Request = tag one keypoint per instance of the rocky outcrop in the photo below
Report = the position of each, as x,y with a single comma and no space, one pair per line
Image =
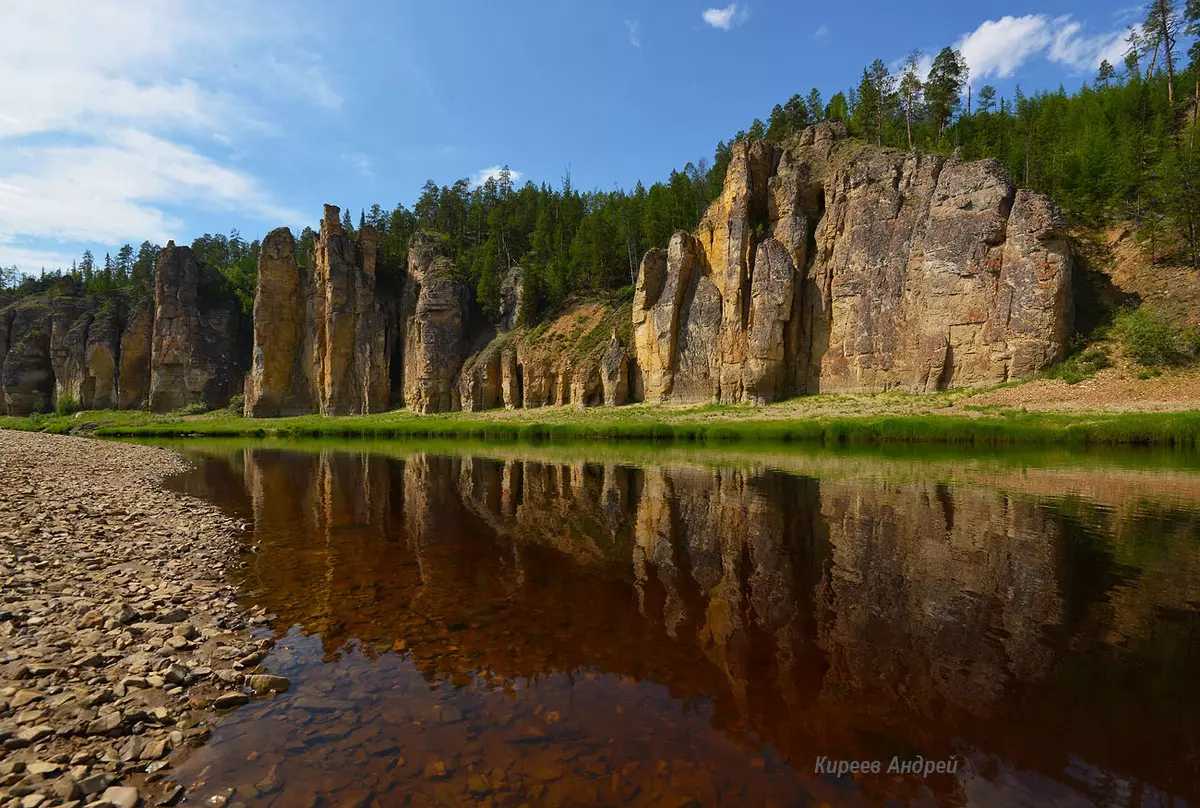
322,338
561,363
434,320
512,288
278,382
133,378
192,359
101,354
27,376
479,382
827,265
350,328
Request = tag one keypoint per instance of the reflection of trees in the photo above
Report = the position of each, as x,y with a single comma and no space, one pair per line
822,617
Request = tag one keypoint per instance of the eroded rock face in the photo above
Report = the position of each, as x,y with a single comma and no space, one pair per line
27,376
434,316
352,346
133,379
278,382
192,358
831,266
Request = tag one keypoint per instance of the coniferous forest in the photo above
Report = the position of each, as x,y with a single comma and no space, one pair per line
1121,148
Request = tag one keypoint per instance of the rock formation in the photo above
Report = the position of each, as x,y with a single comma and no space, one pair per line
321,337
57,348
279,382
433,322
351,350
192,357
827,265
26,375
133,378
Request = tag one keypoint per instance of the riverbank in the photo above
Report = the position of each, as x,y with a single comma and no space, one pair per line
118,634
984,419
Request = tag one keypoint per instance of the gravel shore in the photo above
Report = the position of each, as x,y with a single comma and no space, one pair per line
119,638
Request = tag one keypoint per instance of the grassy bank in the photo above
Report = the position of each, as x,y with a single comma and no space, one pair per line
820,419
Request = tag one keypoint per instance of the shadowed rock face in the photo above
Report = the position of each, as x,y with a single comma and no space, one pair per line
58,348
27,376
192,358
831,266
133,380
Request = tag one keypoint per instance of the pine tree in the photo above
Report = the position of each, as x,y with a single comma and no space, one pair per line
943,87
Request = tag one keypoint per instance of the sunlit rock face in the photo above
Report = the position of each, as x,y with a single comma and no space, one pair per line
433,319
322,338
279,381
192,353
829,265
351,350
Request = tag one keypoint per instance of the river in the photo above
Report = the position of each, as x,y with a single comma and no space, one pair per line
576,625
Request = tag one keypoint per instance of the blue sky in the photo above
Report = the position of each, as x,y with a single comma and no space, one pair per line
122,120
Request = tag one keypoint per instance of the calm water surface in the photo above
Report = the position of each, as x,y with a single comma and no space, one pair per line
559,626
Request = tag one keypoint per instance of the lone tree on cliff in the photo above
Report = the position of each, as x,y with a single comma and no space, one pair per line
944,86
910,90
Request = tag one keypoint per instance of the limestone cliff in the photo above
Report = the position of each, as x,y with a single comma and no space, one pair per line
322,339
192,358
58,347
579,358
434,323
133,377
279,382
828,265
351,345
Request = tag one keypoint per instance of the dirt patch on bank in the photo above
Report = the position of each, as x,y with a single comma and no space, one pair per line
118,636
1113,390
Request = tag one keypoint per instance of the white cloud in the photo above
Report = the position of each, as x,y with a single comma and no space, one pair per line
1084,53
822,31
31,261
112,113
360,163
112,191
634,28
1000,47
725,18
485,174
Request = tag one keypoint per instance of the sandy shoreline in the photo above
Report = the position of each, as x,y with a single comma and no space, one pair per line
119,637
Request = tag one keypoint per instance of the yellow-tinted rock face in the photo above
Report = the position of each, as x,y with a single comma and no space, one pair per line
278,382
827,265
322,339
352,349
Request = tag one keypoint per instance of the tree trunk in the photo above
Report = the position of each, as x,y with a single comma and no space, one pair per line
908,120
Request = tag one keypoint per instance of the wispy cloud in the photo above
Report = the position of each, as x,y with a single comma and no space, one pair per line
822,31
1000,47
492,172
359,162
731,16
634,29
100,143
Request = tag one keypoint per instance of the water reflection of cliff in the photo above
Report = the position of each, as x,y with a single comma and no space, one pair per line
823,618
